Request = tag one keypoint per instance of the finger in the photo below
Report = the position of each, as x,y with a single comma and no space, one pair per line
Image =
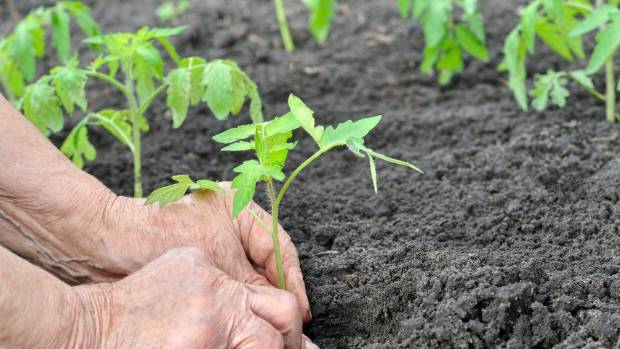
258,245
308,343
258,333
280,309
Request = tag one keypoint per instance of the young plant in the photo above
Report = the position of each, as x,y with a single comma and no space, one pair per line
321,14
271,142
561,26
605,18
168,11
135,68
446,38
21,49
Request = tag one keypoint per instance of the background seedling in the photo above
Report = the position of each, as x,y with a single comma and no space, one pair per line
271,142
134,67
561,26
21,49
446,38
168,11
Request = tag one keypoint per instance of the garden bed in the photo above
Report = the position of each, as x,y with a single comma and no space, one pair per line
510,239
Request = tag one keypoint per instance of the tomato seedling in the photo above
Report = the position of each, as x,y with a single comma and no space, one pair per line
271,142
168,11
20,50
221,84
561,26
446,38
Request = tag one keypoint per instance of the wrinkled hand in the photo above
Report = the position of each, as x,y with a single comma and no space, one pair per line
181,300
239,247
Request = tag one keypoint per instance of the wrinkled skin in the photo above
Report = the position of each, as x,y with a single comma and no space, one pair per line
204,307
239,247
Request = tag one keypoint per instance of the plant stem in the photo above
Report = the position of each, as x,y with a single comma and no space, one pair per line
275,235
290,179
283,23
135,136
610,102
275,204
110,80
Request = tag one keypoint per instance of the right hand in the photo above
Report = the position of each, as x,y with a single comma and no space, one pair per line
181,300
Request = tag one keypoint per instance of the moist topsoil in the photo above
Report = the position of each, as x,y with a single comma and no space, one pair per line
510,238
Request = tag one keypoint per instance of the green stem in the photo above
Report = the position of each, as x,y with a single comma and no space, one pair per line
148,100
290,179
135,136
110,80
275,205
275,236
610,90
283,23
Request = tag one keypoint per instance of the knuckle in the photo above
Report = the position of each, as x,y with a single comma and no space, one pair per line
187,257
289,304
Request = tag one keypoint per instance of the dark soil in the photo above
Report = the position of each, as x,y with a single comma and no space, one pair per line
510,239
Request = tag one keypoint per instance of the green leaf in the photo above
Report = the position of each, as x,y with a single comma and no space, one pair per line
420,6
435,22
61,34
70,83
321,15
514,53
170,193
166,12
179,92
77,146
82,16
386,158
219,85
373,173
470,43
26,44
582,78
550,86
239,146
204,184
116,123
529,17
304,116
607,43
595,20
347,130
235,134
553,38
167,32
404,6
282,124
245,184
42,107
196,67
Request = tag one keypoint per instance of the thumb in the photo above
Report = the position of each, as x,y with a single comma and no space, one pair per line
279,308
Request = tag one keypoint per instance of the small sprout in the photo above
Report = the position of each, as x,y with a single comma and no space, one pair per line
168,11
132,63
271,142
446,39
561,26
20,50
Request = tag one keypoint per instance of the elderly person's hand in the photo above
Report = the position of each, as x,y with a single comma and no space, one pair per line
239,247
68,222
181,300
